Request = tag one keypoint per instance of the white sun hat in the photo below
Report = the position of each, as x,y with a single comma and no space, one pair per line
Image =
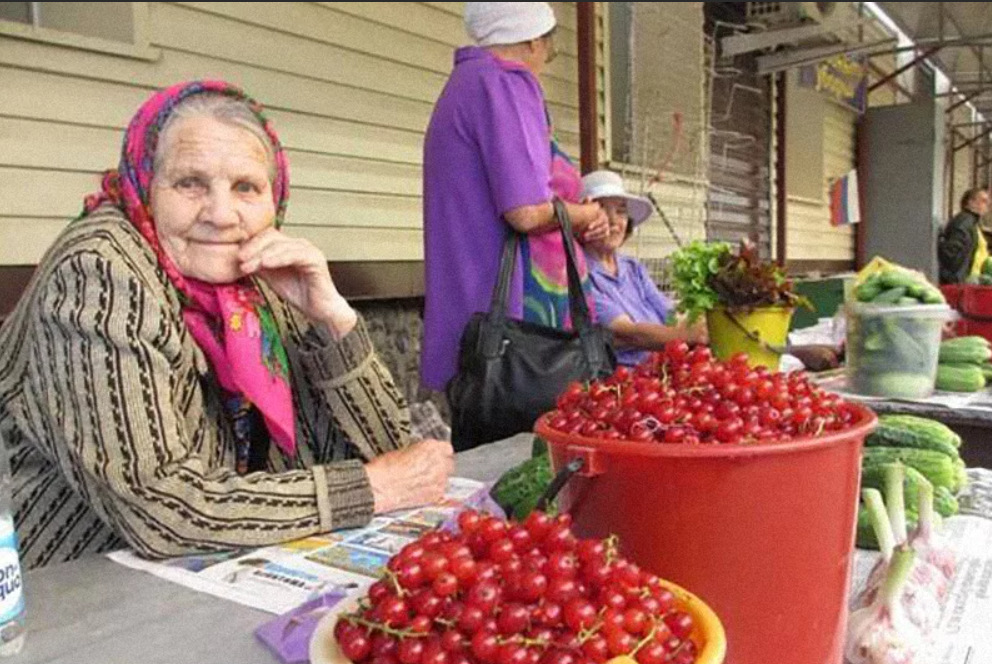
500,23
607,184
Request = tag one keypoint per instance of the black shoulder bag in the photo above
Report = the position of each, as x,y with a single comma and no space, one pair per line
510,371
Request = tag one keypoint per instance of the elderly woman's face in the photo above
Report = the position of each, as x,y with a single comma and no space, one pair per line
210,195
616,211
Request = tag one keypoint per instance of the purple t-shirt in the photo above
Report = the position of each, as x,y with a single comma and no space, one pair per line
632,293
487,151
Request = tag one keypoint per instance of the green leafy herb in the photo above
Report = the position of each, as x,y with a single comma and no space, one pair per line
692,266
708,275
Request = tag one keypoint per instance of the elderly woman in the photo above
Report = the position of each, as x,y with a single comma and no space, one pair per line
491,167
627,300
182,376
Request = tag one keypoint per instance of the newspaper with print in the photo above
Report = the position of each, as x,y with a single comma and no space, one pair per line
964,632
279,578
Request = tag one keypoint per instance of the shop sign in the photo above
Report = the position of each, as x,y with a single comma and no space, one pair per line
841,78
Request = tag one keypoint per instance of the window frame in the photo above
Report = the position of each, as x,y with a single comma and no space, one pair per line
140,49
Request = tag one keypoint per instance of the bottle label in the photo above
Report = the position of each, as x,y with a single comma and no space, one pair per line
11,594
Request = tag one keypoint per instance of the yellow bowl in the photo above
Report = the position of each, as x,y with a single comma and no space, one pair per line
708,631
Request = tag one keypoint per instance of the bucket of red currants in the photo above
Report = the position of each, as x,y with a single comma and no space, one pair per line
740,483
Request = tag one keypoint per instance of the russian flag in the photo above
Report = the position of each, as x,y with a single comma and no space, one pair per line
845,207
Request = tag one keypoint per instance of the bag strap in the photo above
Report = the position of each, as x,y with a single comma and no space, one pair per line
492,339
592,344
501,294
576,297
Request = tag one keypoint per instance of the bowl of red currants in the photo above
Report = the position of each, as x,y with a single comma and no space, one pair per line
502,592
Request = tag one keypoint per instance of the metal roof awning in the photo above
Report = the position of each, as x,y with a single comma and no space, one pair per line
957,36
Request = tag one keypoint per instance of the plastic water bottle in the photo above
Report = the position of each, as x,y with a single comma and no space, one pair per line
11,582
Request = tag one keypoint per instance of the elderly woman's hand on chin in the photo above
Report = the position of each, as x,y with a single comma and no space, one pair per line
297,271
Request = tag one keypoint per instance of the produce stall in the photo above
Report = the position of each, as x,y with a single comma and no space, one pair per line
702,507
94,611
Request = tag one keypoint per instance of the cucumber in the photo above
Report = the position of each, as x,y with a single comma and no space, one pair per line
972,341
960,378
890,296
870,289
915,432
897,278
964,353
937,467
944,502
903,343
866,534
933,296
893,384
873,477
519,489
923,426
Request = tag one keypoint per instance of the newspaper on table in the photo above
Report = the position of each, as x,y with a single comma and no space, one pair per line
279,578
964,632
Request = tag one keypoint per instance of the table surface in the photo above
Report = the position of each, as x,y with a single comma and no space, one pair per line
964,416
94,611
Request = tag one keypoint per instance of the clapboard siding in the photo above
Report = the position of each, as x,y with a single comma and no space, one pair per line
810,236
349,86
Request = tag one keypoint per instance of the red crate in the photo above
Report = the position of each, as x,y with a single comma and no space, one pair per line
974,304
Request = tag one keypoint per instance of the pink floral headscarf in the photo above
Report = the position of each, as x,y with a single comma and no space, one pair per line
231,323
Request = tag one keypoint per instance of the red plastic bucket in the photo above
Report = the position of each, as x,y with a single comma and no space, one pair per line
976,311
762,533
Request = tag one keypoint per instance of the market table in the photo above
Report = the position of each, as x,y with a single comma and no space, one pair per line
95,611
969,415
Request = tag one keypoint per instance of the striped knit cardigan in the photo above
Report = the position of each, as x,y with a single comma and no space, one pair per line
115,428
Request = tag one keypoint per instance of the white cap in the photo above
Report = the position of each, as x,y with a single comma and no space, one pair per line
497,23
607,184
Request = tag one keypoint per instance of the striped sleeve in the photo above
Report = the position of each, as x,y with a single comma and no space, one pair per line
355,389
129,448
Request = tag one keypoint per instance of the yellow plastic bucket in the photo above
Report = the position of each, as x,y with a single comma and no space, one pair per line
769,324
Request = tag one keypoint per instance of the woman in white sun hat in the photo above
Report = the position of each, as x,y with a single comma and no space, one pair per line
627,300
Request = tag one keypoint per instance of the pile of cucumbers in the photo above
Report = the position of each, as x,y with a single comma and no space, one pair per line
964,364
897,287
928,449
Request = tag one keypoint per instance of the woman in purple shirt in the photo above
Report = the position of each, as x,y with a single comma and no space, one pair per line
627,300
487,170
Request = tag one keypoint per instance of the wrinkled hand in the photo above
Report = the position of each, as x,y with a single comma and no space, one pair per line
598,229
416,475
816,357
297,271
